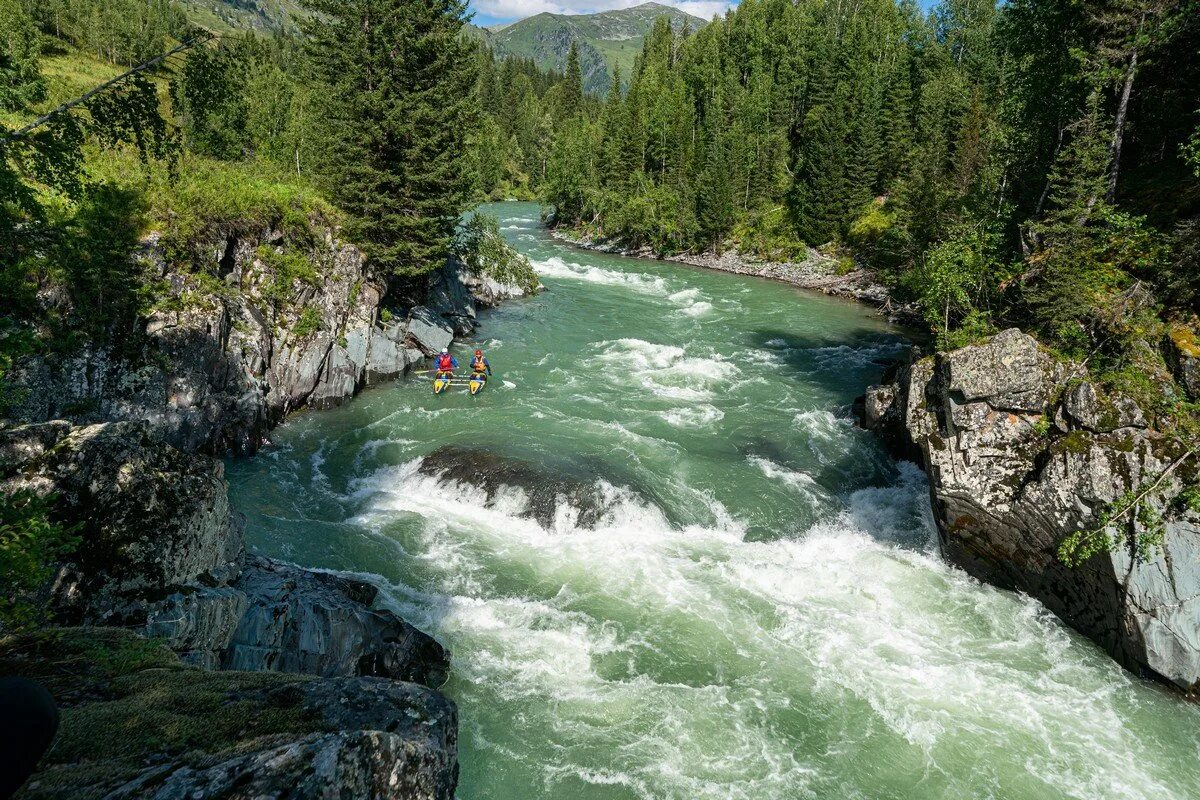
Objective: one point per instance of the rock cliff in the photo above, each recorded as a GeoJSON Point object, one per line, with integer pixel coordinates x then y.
{"type": "Point", "coordinates": [1022, 450]}
{"type": "Point", "coordinates": [161, 553]}
{"type": "Point", "coordinates": [247, 328]}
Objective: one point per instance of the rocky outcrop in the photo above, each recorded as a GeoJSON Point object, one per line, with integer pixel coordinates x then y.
{"type": "Point", "coordinates": [1023, 450]}
{"type": "Point", "coordinates": [320, 623]}
{"type": "Point", "coordinates": [546, 492]}
{"type": "Point", "coordinates": [139, 723]}
{"type": "Point", "coordinates": [389, 740]}
{"type": "Point", "coordinates": [161, 553]}
{"type": "Point", "coordinates": [251, 326]}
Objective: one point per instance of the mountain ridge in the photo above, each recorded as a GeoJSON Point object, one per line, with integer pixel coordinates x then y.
{"type": "Point", "coordinates": [605, 39]}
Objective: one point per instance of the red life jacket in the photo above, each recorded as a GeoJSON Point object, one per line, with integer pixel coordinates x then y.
{"type": "Point", "coordinates": [445, 363]}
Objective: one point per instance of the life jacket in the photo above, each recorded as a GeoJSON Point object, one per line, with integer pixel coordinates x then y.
{"type": "Point", "coordinates": [478, 364]}
{"type": "Point", "coordinates": [445, 362]}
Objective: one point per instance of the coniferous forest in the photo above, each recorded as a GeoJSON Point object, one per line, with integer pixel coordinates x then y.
{"type": "Point", "coordinates": [1033, 162]}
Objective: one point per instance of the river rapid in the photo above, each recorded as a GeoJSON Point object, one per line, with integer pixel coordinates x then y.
{"type": "Point", "coordinates": [754, 606]}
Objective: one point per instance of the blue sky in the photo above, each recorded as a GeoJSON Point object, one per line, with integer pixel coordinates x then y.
{"type": "Point", "coordinates": [488, 12]}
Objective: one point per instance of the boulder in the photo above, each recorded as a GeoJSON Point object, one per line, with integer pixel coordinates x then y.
{"type": "Point", "coordinates": [317, 623]}
{"type": "Point", "coordinates": [427, 331]}
{"type": "Point", "coordinates": [1008, 488]}
{"type": "Point", "coordinates": [450, 298]}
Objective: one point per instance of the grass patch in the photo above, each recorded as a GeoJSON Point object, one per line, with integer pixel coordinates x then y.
{"type": "Point", "coordinates": [125, 699]}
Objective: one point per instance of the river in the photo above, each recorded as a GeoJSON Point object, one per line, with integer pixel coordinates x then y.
{"type": "Point", "coordinates": [759, 609]}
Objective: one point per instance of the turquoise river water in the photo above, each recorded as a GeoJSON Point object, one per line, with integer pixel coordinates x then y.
{"type": "Point", "coordinates": [758, 611]}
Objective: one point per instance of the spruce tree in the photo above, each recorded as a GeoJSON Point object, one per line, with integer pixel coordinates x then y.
{"type": "Point", "coordinates": [395, 83]}
{"type": "Point", "coordinates": [572, 102]}
{"type": "Point", "coordinates": [21, 79]}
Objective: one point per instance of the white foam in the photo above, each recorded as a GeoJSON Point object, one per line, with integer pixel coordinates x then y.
{"type": "Point", "coordinates": [697, 416]}
{"type": "Point", "coordinates": [665, 370]}
{"type": "Point", "coordinates": [555, 267]}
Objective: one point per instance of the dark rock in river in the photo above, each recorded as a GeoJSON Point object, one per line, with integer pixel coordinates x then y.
{"type": "Point", "coordinates": [545, 490]}
{"type": "Point", "coordinates": [1022, 450]}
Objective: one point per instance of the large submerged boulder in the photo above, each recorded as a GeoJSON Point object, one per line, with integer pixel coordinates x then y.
{"type": "Point", "coordinates": [1022, 450]}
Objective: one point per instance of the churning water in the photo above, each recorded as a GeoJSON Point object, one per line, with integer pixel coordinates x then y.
{"type": "Point", "coordinates": [735, 593]}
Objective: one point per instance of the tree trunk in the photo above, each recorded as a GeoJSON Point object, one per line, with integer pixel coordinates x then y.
{"type": "Point", "coordinates": [1119, 128]}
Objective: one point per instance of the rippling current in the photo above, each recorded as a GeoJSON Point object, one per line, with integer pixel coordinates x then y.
{"type": "Point", "coordinates": [753, 604]}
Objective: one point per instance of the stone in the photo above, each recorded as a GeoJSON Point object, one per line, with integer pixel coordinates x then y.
{"type": "Point", "coordinates": [427, 331]}
{"type": "Point", "coordinates": [450, 298]}
{"type": "Point", "coordinates": [316, 623]}
{"type": "Point", "coordinates": [149, 516]}
{"type": "Point", "coordinates": [1007, 489]}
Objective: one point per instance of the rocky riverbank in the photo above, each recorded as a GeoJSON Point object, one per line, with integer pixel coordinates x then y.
{"type": "Point", "coordinates": [121, 437]}
{"type": "Point", "coordinates": [1022, 450]}
{"type": "Point", "coordinates": [816, 272]}
{"type": "Point", "coordinates": [249, 328]}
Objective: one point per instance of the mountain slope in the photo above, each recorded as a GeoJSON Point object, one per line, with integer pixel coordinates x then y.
{"type": "Point", "coordinates": [604, 40]}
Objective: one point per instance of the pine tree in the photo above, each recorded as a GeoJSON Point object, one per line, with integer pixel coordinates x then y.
{"type": "Point", "coordinates": [572, 101]}
{"type": "Point", "coordinates": [21, 81]}
{"type": "Point", "coordinates": [395, 81]}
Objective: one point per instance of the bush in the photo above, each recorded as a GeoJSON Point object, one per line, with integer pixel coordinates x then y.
{"type": "Point", "coordinates": [485, 252]}
{"type": "Point", "coordinates": [30, 545]}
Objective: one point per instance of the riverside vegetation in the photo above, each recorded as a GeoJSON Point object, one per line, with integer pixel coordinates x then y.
{"type": "Point", "coordinates": [274, 219]}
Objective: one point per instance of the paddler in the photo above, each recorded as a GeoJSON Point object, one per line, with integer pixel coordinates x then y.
{"type": "Point", "coordinates": [445, 364]}
{"type": "Point", "coordinates": [480, 365]}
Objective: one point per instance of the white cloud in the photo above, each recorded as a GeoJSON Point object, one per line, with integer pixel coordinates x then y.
{"type": "Point", "coordinates": [519, 9]}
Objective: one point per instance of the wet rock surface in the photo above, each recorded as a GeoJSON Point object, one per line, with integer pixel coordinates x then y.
{"type": "Point", "coordinates": [546, 492]}
{"type": "Point", "coordinates": [1021, 451]}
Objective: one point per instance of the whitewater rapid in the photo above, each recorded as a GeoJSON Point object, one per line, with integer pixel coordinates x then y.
{"type": "Point", "coordinates": [755, 607]}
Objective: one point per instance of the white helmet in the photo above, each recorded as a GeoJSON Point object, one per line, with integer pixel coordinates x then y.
{"type": "Point", "coordinates": [445, 351]}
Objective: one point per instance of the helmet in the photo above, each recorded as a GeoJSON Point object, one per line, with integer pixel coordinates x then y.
{"type": "Point", "coordinates": [478, 352]}
{"type": "Point", "coordinates": [445, 351]}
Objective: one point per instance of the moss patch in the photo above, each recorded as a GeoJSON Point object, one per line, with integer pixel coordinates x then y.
{"type": "Point", "coordinates": [127, 701]}
{"type": "Point", "coordinates": [1185, 341]}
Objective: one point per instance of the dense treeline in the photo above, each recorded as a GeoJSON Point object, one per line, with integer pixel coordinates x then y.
{"type": "Point", "coordinates": [1022, 163]}
{"type": "Point", "coordinates": [1032, 163]}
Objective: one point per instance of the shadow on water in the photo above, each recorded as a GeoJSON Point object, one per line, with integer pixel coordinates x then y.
{"type": "Point", "coordinates": [859, 356]}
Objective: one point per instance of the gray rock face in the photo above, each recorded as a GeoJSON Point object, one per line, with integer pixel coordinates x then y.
{"type": "Point", "coordinates": [451, 299]}
{"type": "Point", "coordinates": [162, 553]}
{"type": "Point", "coordinates": [214, 371]}
{"type": "Point", "coordinates": [150, 517]}
{"type": "Point", "coordinates": [322, 624]}
{"type": "Point", "coordinates": [428, 332]}
{"type": "Point", "coordinates": [386, 739]}
{"type": "Point", "coordinates": [1008, 487]}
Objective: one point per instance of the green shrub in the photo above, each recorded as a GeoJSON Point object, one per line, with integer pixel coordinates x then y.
{"type": "Point", "coordinates": [308, 324]}
{"type": "Point", "coordinates": [30, 545]}
{"type": "Point", "coordinates": [485, 252]}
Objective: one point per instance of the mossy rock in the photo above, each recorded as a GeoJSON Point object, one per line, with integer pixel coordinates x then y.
{"type": "Point", "coordinates": [127, 702]}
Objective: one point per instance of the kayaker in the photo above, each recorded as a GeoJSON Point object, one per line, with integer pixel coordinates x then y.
{"type": "Point", "coordinates": [479, 364]}
{"type": "Point", "coordinates": [445, 364]}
